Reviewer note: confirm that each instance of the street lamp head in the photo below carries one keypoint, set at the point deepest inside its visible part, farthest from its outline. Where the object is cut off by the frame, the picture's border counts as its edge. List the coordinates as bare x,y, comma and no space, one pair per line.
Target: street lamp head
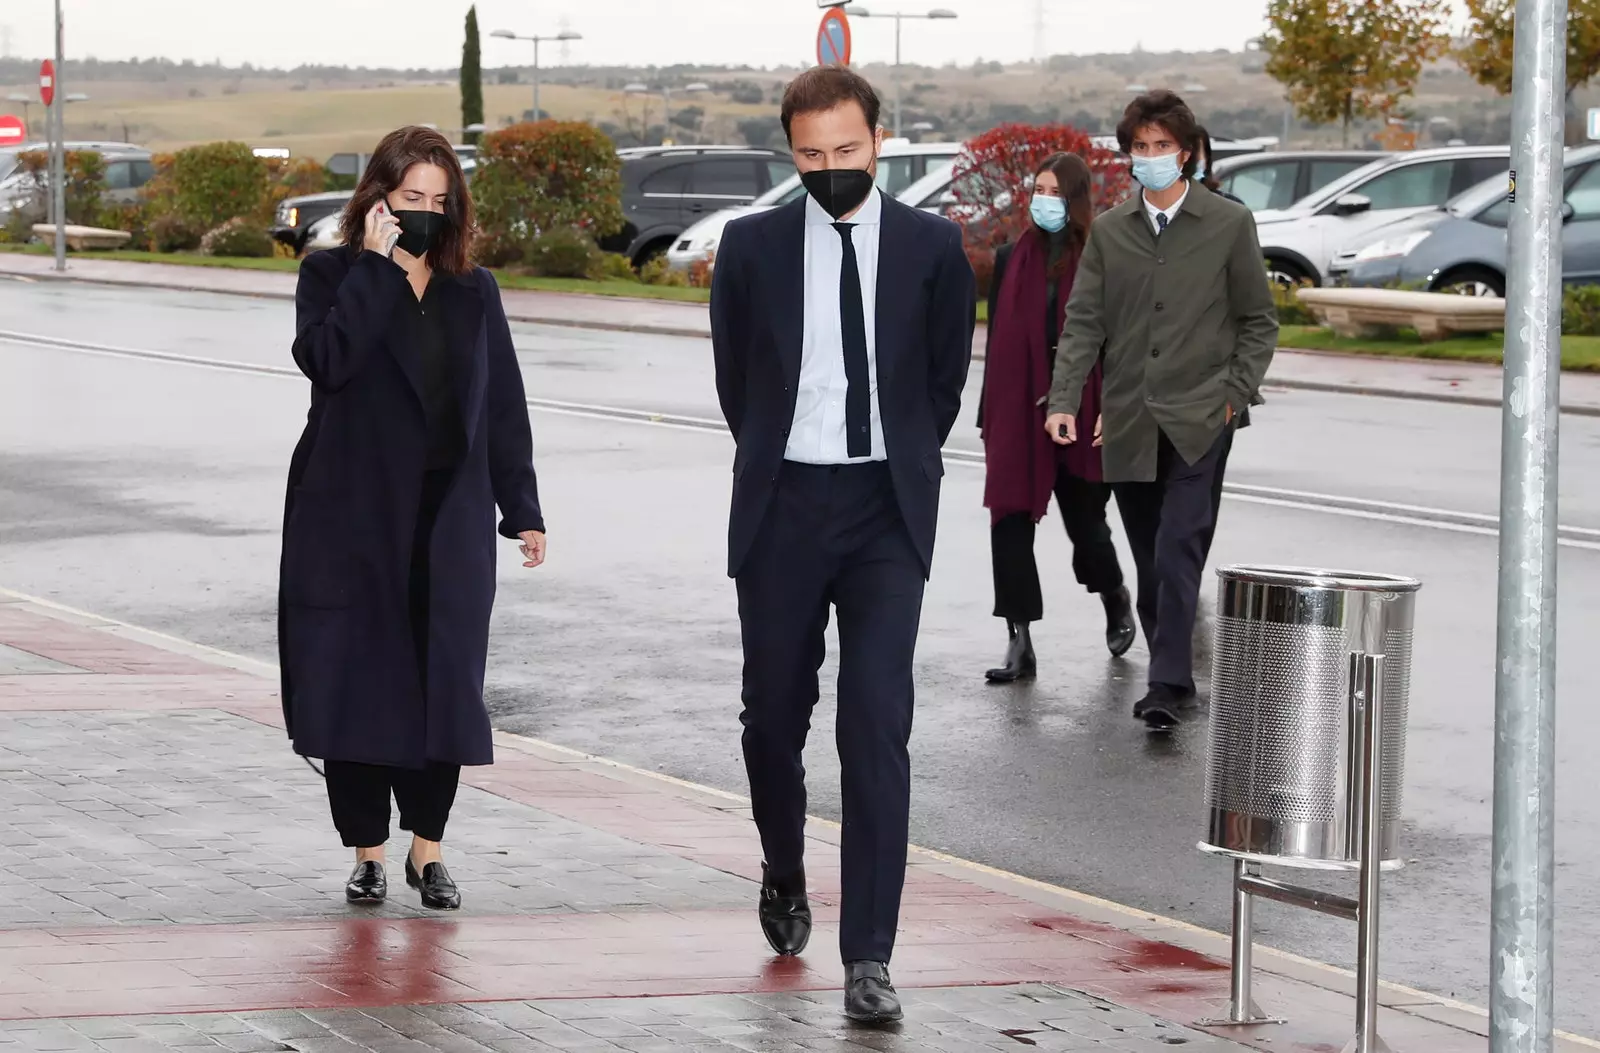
504,34
942,12
696,86
569,35
635,87
77,96
857,12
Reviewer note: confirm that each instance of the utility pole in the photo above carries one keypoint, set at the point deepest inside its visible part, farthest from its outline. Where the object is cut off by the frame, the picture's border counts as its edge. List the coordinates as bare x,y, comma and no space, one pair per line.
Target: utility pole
1522,864
58,147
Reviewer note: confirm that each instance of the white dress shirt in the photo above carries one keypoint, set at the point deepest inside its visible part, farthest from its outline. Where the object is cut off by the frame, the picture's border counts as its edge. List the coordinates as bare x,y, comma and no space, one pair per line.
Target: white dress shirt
1154,212
817,435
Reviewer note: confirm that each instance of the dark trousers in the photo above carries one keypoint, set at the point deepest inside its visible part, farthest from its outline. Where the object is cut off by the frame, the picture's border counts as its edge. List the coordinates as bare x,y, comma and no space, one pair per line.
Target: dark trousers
1017,594
834,537
1169,523
358,795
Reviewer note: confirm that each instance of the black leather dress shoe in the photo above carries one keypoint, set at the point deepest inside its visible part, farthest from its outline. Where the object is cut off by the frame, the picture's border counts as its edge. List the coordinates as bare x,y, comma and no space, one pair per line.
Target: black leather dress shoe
367,884
1121,630
869,997
1162,709
784,911
439,891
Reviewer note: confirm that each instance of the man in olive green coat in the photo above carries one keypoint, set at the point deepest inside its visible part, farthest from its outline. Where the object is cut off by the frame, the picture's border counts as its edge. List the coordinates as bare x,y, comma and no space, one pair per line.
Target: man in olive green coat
1173,292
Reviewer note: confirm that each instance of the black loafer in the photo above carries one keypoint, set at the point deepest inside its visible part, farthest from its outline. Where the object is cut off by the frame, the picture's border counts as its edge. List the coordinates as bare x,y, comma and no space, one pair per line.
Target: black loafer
784,911
1163,708
1121,629
438,889
869,997
367,885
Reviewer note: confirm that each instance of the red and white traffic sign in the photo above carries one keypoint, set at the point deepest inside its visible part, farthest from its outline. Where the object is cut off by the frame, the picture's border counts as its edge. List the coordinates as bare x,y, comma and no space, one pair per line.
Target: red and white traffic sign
12,130
47,81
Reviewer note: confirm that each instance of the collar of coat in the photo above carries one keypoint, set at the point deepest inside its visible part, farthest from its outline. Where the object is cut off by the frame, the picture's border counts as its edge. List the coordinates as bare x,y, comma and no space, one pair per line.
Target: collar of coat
1200,203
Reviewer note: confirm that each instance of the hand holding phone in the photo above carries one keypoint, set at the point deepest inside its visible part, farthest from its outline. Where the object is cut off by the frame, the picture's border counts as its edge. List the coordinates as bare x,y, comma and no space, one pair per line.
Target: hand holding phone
382,230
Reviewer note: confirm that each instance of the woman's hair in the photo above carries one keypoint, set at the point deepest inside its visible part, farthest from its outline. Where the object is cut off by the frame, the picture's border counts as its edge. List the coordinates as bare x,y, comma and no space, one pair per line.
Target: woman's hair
1077,187
399,151
1203,139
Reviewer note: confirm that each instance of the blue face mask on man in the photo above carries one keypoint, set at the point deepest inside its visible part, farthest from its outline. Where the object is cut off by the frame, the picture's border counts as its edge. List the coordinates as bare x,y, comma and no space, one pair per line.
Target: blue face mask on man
1049,213
1157,173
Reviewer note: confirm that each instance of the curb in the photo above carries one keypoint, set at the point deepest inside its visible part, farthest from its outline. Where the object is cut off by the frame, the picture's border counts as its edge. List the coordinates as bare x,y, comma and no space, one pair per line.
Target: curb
597,325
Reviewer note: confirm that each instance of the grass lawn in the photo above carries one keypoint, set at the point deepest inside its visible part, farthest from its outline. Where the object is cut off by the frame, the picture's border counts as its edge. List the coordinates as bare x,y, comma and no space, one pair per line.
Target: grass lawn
607,287
1577,352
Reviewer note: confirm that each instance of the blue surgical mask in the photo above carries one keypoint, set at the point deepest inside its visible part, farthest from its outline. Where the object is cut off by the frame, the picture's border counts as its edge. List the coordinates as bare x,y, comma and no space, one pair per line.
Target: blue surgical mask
1157,173
1049,213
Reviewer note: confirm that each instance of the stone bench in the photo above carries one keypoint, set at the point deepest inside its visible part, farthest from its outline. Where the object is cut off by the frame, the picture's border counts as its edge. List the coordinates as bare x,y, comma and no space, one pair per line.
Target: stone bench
1375,312
81,239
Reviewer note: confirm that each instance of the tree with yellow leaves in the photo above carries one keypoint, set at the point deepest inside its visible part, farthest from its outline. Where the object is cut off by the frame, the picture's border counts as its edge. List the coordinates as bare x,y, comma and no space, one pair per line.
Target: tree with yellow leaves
1341,60
1486,51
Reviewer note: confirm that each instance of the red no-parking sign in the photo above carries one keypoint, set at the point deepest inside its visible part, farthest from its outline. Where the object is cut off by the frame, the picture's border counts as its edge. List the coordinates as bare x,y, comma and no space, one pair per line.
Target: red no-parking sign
47,81
833,38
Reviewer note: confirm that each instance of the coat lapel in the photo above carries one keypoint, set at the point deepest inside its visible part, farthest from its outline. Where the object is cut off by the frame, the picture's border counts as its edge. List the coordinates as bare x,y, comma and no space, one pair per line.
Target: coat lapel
788,297
469,346
895,235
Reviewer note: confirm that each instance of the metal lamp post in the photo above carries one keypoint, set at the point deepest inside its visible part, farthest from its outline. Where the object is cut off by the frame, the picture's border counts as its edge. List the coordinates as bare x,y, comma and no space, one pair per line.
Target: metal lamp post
564,35
637,88
899,17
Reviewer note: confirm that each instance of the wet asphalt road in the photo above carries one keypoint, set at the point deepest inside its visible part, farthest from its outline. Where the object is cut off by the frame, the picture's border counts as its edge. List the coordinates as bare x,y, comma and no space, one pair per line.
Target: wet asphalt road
152,492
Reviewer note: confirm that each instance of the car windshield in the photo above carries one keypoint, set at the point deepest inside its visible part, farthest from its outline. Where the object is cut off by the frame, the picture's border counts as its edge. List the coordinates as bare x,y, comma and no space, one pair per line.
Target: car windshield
1475,199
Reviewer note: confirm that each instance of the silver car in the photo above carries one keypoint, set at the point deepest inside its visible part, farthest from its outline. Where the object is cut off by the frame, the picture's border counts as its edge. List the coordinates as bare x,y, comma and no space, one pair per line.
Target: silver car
1462,247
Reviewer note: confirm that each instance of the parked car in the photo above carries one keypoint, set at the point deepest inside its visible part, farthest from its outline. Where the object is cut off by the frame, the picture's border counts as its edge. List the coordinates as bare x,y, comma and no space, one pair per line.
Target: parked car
296,216
1462,247
1300,242
1277,180
667,189
128,167
900,164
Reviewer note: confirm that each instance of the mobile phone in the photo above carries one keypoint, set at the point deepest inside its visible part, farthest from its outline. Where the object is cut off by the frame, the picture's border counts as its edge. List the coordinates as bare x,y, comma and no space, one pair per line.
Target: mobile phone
1061,431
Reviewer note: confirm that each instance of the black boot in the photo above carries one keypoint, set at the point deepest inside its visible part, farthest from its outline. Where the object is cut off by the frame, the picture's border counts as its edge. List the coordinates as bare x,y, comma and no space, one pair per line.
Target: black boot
1121,630
1020,662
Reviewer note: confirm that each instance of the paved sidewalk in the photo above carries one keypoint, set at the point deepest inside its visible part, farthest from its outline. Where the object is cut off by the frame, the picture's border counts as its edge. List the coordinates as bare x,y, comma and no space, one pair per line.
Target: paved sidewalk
173,883
1437,381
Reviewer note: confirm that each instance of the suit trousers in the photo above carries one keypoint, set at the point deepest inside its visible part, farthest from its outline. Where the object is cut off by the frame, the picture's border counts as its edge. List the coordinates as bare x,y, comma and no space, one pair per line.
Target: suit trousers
1082,504
833,537
1169,523
358,796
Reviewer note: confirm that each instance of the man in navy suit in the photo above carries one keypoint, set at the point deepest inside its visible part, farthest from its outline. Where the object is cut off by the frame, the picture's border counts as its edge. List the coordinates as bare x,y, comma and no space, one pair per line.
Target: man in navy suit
842,329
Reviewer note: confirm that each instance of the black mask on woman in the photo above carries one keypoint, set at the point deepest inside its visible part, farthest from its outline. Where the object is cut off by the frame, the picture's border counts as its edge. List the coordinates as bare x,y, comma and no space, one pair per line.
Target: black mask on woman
420,230
839,191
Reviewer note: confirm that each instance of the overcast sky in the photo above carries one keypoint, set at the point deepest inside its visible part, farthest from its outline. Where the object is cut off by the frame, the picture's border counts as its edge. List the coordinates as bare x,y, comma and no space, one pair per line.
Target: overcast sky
411,33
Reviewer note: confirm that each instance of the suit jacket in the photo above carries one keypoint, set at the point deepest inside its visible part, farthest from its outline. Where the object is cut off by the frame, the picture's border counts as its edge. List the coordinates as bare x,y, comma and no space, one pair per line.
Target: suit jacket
926,310
1187,323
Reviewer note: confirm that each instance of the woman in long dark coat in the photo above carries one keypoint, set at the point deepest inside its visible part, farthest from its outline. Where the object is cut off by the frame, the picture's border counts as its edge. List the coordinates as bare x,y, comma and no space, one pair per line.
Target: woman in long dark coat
418,428
1027,303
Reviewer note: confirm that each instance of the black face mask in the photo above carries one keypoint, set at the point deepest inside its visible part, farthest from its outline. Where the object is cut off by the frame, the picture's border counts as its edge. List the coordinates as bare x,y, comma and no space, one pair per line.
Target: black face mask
420,230
839,191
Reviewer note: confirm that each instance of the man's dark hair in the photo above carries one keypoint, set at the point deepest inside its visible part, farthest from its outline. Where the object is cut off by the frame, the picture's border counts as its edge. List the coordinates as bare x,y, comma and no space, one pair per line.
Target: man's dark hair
821,88
1165,110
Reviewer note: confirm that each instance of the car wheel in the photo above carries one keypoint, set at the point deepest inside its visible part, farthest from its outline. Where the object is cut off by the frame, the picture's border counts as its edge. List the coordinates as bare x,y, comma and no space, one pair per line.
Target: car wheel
1472,281
650,252
1286,274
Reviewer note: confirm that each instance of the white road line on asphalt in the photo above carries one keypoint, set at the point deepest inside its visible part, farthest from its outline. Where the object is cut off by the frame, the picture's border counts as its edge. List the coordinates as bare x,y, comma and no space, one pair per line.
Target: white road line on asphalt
238,661
1453,520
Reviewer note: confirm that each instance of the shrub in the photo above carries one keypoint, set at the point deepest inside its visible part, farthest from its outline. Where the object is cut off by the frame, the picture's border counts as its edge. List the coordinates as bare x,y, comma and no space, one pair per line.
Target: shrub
1580,310
995,171
216,182
129,216
238,237
700,271
658,272
543,176
168,232
565,252
86,178
614,266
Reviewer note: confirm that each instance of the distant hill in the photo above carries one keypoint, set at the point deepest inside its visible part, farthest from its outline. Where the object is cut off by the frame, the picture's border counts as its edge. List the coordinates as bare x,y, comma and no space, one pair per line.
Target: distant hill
316,111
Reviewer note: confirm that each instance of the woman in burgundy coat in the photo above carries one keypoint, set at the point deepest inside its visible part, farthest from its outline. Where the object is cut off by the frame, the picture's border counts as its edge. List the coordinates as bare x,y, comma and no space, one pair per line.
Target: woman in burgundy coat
1027,303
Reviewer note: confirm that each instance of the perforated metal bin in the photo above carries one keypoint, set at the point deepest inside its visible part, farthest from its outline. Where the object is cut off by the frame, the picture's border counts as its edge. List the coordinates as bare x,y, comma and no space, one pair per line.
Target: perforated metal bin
1283,774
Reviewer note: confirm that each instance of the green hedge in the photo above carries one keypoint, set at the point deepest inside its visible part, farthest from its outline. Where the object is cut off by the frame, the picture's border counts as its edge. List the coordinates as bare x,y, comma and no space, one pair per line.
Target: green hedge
540,177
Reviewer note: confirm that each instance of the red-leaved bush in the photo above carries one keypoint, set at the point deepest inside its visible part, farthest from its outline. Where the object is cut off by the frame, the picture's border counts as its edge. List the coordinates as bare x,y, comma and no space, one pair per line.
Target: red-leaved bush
996,170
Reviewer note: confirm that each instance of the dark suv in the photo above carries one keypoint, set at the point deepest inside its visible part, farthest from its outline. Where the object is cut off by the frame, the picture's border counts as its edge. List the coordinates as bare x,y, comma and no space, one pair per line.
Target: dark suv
296,214
667,189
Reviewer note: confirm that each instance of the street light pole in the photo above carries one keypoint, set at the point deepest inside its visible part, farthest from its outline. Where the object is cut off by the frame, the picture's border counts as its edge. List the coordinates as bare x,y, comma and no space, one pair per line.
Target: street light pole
899,17
564,35
58,147
537,112
1522,863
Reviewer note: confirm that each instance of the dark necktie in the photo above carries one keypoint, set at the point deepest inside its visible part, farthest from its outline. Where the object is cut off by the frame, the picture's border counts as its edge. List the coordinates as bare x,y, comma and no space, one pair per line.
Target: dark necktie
853,325
1161,223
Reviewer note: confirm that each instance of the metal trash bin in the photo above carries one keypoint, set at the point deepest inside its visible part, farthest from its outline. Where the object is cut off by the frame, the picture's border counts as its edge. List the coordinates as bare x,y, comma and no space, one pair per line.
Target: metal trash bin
1283,774
1310,680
